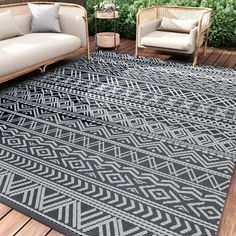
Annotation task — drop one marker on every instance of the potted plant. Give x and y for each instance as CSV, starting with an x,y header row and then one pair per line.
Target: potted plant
x,y
106,6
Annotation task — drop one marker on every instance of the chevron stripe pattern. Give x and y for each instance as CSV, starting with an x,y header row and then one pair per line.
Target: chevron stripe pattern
x,y
117,146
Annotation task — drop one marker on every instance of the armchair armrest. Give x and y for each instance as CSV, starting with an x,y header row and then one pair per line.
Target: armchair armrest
x,y
193,38
204,24
196,39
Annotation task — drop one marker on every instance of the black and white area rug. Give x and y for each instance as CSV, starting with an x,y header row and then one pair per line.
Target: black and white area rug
x,y
118,146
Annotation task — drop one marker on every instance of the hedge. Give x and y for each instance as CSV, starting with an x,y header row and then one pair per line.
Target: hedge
x,y
223,29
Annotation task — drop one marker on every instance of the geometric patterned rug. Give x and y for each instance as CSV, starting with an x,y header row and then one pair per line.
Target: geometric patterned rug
x,y
117,146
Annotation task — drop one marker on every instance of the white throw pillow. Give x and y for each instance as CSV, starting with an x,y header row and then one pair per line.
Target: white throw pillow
x,y
8,26
175,25
45,18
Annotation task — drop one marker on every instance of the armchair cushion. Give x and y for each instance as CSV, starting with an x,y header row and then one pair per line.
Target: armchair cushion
x,y
146,28
168,40
176,25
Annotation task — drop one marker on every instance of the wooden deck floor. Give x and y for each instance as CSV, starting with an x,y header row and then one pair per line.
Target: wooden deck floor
x,y
13,223
215,57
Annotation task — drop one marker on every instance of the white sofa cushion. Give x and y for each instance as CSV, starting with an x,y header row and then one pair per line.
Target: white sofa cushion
x,y
24,22
8,26
45,17
176,25
169,40
24,51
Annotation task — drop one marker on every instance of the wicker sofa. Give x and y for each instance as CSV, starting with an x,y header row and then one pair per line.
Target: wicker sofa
x,y
149,19
33,51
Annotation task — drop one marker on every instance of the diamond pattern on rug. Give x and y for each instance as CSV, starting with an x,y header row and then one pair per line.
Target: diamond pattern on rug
x,y
120,146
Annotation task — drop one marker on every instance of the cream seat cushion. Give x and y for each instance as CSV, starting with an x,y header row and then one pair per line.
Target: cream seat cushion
x,y
169,40
30,49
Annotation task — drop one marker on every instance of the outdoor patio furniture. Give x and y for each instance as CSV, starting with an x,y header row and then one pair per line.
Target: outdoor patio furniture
x,y
35,51
168,29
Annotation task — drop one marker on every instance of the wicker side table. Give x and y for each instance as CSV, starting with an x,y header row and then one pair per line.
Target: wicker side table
x,y
107,39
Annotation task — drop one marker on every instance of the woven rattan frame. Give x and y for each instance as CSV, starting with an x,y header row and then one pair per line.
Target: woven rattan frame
x,y
108,39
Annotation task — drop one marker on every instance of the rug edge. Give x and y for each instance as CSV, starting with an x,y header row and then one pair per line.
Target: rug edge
x,y
37,217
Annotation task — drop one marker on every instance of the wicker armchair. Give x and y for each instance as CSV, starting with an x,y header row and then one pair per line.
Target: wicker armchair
x,y
149,19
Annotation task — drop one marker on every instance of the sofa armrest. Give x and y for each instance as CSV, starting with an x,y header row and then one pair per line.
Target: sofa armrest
x,y
74,25
147,28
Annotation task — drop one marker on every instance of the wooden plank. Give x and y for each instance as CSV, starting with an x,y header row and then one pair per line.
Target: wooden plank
x,y
228,220
231,62
223,58
164,57
12,223
35,227
54,233
128,50
126,47
92,43
209,52
145,51
4,210
131,51
202,58
213,57
151,53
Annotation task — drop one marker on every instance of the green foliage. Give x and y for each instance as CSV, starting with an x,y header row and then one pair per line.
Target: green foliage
x,y
223,29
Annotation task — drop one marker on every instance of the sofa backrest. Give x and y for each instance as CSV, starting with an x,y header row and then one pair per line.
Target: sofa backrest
x,y
71,16
22,9
80,2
